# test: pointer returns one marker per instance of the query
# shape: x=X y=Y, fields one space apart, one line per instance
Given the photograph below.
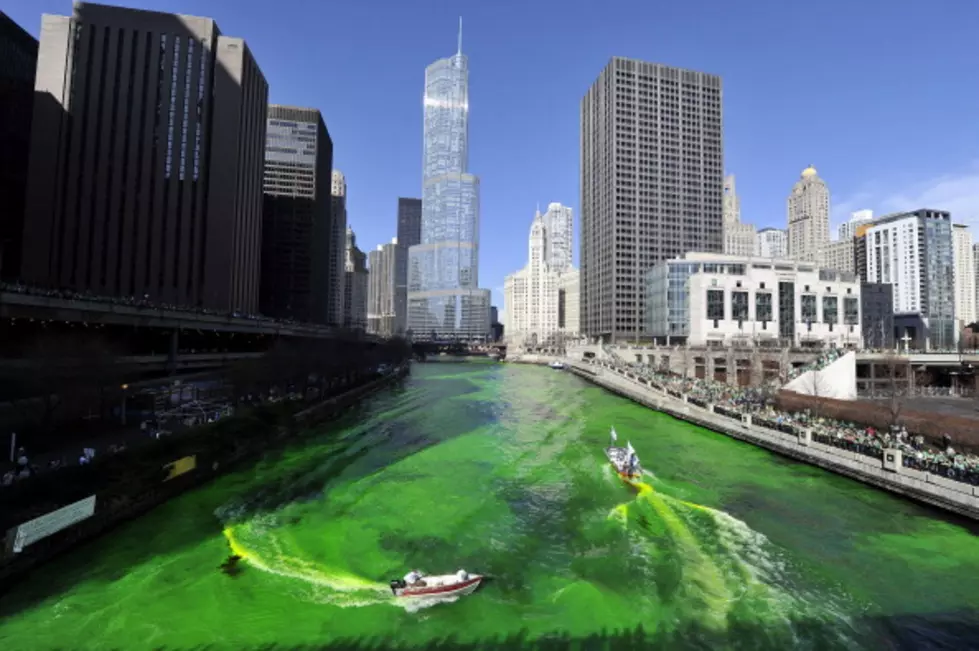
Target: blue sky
x=881 y=96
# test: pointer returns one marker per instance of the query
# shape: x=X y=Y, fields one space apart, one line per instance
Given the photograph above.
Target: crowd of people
x=941 y=459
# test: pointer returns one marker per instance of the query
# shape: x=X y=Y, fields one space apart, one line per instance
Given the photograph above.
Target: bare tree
x=897 y=385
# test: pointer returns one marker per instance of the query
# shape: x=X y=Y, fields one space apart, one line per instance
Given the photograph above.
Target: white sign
x=42 y=527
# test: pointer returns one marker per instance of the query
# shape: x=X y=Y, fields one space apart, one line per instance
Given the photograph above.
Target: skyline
x=858 y=129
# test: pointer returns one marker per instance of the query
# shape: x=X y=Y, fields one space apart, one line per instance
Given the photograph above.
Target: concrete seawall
x=887 y=473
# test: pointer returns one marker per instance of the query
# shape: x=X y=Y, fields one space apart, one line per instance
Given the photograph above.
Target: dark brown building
x=147 y=144
x=18 y=60
x=297 y=237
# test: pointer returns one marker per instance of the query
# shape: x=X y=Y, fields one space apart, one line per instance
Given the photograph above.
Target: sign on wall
x=42 y=527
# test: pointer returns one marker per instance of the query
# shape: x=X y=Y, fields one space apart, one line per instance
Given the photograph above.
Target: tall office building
x=808 y=216
x=772 y=243
x=147 y=155
x=975 y=260
x=355 y=285
x=444 y=299
x=382 y=289
x=147 y=150
x=336 y=309
x=18 y=62
x=912 y=251
x=964 y=275
x=409 y=234
x=542 y=299
x=296 y=225
x=739 y=239
x=651 y=184
x=848 y=229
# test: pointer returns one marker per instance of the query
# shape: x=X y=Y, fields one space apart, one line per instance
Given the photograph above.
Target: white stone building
x=542 y=299
x=771 y=243
x=839 y=255
x=808 y=216
x=739 y=238
x=382 y=317
x=848 y=229
x=707 y=299
x=964 y=264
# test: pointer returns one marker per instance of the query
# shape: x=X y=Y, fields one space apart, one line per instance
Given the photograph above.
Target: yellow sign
x=180 y=467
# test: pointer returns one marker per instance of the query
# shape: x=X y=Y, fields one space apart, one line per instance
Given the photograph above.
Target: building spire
x=459 y=51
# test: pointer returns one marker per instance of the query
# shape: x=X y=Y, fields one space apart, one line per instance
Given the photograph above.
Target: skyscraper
x=558 y=223
x=409 y=234
x=739 y=239
x=18 y=62
x=651 y=184
x=355 y=285
x=771 y=243
x=338 y=249
x=296 y=225
x=808 y=216
x=444 y=299
x=964 y=265
x=382 y=288
x=848 y=229
x=147 y=149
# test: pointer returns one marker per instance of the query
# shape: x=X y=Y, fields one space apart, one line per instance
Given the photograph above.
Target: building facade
x=409 y=234
x=336 y=309
x=651 y=184
x=444 y=298
x=877 y=308
x=964 y=275
x=18 y=63
x=355 y=286
x=848 y=229
x=808 y=217
x=913 y=252
x=382 y=289
x=772 y=243
x=296 y=221
x=839 y=255
x=739 y=239
x=705 y=299
x=147 y=157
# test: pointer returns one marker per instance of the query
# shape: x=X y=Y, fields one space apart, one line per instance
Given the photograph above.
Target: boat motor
x=397 y=584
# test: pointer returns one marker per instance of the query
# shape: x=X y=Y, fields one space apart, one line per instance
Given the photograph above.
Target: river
x=499 y=469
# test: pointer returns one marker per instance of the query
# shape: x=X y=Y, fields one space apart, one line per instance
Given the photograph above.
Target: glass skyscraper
x=444 y=299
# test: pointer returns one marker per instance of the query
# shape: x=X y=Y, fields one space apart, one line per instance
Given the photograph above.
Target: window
x=739 y=305
x=715 y=304
x=830 y=310
x=763 y=307
x=808 y=308
x=851 y=311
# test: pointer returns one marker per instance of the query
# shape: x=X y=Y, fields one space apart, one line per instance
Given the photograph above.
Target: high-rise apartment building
x=808 y=216
x=964 y=275
x=975 y=259
x=355 y=285
x=772 y=243
x=409 y=234
x=336 y=309
x=739 y=239
x=651 y=184
x=147 y=155
x=296 y=224
x=542 y=299
x=382 y=289
x=444 y=299
x=912 y=251
x=18 y=62
x=848 y=229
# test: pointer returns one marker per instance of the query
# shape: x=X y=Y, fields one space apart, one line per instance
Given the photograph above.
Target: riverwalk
x=887 y=472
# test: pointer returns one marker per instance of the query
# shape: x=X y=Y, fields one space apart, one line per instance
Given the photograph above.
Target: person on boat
x=462 y=576
x=413 y=578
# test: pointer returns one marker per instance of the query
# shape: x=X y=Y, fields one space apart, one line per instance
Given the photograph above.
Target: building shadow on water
x=946 y=632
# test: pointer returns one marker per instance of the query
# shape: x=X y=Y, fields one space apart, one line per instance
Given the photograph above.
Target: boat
x=437 y=586
x=624 y=460
x=557 y=365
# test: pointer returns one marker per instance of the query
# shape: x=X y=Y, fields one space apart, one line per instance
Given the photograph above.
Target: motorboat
x=557 y=365
x=624 y=460
x=437 y=586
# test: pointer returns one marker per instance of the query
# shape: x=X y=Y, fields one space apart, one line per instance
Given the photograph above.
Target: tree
x=897 y=385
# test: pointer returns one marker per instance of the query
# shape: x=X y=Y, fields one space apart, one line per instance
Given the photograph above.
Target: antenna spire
x=459 y=51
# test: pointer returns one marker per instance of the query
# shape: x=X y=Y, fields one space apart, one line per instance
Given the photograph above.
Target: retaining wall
x=887 y=473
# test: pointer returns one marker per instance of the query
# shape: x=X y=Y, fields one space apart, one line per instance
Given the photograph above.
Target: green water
x=499 y=469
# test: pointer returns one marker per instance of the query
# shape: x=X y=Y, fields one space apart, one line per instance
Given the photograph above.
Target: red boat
x=446 y=585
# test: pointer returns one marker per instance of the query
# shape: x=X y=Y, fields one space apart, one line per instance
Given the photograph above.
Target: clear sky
x=881 y=96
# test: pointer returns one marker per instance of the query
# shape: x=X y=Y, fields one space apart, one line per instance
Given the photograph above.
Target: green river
x=499 y=469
